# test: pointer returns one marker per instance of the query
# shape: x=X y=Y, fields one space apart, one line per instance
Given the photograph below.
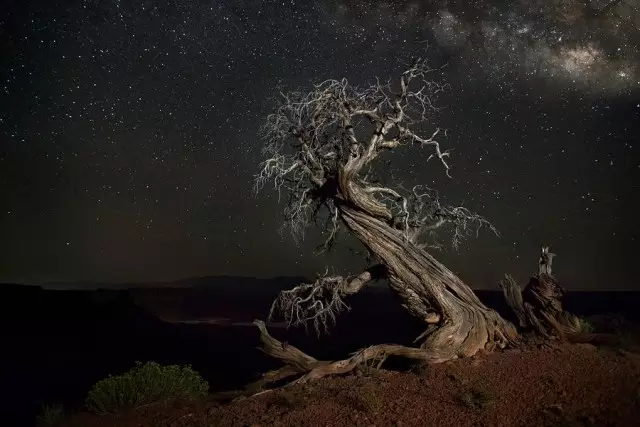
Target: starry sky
x=129 y=132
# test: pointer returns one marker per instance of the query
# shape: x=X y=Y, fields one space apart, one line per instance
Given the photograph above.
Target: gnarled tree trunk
x=457 y=323
x=431 y=292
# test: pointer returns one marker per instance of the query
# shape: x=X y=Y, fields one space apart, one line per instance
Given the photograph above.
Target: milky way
x=129 y=132
x=593 y=45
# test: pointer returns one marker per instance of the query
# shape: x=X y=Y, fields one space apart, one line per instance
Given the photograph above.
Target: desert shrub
x=475 y=399
x=50 y=415
x=144 y=384
x=584 y=326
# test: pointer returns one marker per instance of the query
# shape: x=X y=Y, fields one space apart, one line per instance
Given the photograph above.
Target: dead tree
x=539 y=306
x=316 y=157
x=546 y=259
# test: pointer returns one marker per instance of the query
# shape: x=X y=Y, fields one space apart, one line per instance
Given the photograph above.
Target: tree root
x=297 y=363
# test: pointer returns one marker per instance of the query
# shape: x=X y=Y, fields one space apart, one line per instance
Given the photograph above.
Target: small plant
x=584 y=327
x=50 y=415
x=144 y=384
x=475 y=399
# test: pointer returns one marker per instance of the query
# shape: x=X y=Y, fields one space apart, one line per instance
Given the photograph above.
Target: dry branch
x=311 y=149
x=319 y=302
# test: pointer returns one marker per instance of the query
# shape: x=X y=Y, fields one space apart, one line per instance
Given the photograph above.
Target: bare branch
x=332 y=225
x=319 y=302
x=310 y=139
x=429 y=141
x=420 y=214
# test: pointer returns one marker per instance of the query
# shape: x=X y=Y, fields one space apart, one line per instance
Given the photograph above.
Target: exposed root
x=307 y=368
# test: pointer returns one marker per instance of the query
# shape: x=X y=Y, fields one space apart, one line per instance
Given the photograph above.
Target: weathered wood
x=513 y=295
x=317 y=157
x=307 y=368
x=546 y=259
x=539 y=305
x=427 y=287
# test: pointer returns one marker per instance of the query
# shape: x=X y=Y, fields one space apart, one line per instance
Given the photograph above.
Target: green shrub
x=50 y=415
x=145 y=384
x=584 y=327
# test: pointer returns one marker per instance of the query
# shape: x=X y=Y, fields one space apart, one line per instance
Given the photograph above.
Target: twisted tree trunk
x=458 y=323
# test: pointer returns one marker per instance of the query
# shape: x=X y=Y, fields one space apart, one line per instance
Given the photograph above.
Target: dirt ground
x=538 y=385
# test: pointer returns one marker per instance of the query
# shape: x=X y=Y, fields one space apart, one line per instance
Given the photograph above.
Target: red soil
x=560 y=385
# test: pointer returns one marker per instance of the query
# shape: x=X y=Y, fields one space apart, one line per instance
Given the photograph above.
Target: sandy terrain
x=538 y=385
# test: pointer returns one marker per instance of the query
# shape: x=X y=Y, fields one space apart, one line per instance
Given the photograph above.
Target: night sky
x=129 y=132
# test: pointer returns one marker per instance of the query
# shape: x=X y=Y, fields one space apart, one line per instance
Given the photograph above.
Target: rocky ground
x=537 y=385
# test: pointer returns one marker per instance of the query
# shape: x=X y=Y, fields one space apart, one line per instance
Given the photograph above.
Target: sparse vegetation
x=50 y=415
x=145 y=384
x=475 y=399
x=584 y=327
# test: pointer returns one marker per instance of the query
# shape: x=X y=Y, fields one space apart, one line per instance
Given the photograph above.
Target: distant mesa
x=192 y=282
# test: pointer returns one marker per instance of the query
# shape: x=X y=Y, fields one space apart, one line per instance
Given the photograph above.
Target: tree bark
x=513 y=296
x=539 y=305
x=431 y=292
